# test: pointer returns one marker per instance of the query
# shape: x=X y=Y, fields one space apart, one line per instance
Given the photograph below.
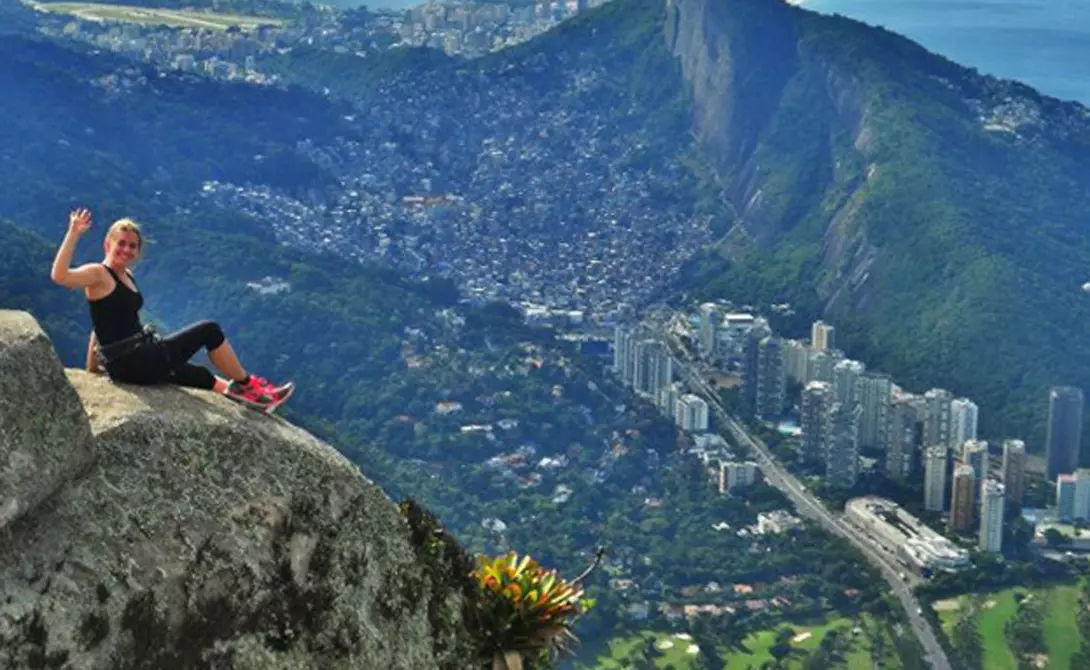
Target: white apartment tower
x=822 y=336
x=934 y=481
x=624 y=354
x=691 y=413
x=992 y=501
x=796 y=361
x=874 y=395
x=963 y=421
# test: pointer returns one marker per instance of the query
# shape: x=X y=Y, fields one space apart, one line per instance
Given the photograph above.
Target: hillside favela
x=544 y=334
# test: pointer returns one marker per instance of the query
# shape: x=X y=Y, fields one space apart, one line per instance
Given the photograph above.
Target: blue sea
x=1043 y=43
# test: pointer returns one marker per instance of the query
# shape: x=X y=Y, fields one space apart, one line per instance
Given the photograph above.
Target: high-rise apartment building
x=975 y=453
x=962 y=497
x=817 y=400
x=1064 y=436
x=934 y=480
x=874 y=395
x=821 y=364
x=1014 y=470
x=771 y=379
x=668 y=396
x=992 y=505
x=846 y=374
x=822 y=336
x=654 y=367
x=751 y=362
x=1081 y=507
x=796 y=361
x=691 y=413
x=903 y=435
x=963 y=421
x=842 y=446
x=711 y=316
x=1065 y=497
x=936 y=423
x=624 y=354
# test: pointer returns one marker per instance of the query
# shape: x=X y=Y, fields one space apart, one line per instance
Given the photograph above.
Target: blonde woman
x=132 y=353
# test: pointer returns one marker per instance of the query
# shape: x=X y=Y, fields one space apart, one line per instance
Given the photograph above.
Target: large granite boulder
x=205 y=535
x=45 y=438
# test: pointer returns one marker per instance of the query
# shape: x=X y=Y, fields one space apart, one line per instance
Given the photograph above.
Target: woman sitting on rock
x=132 y=353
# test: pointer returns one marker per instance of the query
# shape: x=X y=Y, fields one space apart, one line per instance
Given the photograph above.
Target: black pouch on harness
x=110 y=355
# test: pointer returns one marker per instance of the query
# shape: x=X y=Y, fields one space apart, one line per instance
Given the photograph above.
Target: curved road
x=809 y=506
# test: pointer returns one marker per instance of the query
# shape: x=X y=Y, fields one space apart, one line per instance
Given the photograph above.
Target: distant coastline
x=1043 y=43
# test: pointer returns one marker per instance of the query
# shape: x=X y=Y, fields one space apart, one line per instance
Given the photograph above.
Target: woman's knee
x=212 y=334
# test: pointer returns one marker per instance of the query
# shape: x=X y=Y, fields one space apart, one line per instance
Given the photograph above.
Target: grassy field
x=622 y=653
x=1060 y=630
x=164 y=17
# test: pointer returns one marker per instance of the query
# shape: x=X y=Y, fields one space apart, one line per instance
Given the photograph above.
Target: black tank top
x=117 y=315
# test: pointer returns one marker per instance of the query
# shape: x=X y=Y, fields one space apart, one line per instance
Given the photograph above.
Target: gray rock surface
x=208 y=535
x=45 y=439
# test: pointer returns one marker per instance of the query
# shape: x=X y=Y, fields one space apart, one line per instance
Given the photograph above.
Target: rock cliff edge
x=161 y=527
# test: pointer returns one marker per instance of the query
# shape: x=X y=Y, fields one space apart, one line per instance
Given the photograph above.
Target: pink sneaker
x=258 y=393
x=280 y=395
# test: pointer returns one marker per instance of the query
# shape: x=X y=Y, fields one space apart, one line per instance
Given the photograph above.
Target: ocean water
x=1043 y=43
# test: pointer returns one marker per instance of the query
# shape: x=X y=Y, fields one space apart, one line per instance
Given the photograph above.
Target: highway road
x=812 y=508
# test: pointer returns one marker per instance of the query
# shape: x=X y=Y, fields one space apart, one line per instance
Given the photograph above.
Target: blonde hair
x=126 y=226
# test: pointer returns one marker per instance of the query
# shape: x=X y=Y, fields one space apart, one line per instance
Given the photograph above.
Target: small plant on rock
x=526 y=611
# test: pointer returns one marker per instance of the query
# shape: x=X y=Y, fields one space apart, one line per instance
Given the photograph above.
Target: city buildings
x=934 y=483
x=735 y=475
x=963 y=418
x=822 y=336
x=1014 y=470
x=992 y=504
x=904 y=535
x=691 y=413
x=962 y=496
x=1064 y=433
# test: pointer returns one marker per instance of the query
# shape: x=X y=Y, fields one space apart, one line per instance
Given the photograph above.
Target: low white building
x=904 y=534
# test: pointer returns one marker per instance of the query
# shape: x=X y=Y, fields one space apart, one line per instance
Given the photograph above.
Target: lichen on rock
x=197 y=533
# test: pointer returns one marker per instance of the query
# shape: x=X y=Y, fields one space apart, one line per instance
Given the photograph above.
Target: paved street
x=812 y=508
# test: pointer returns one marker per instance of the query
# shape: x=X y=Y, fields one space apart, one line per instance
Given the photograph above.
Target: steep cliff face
x=776 y=118
x=171 y=528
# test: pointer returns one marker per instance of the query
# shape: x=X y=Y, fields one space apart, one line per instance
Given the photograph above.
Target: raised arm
x=85 y=275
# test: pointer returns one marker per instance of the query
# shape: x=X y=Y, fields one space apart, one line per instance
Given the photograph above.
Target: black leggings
x=168 y=361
